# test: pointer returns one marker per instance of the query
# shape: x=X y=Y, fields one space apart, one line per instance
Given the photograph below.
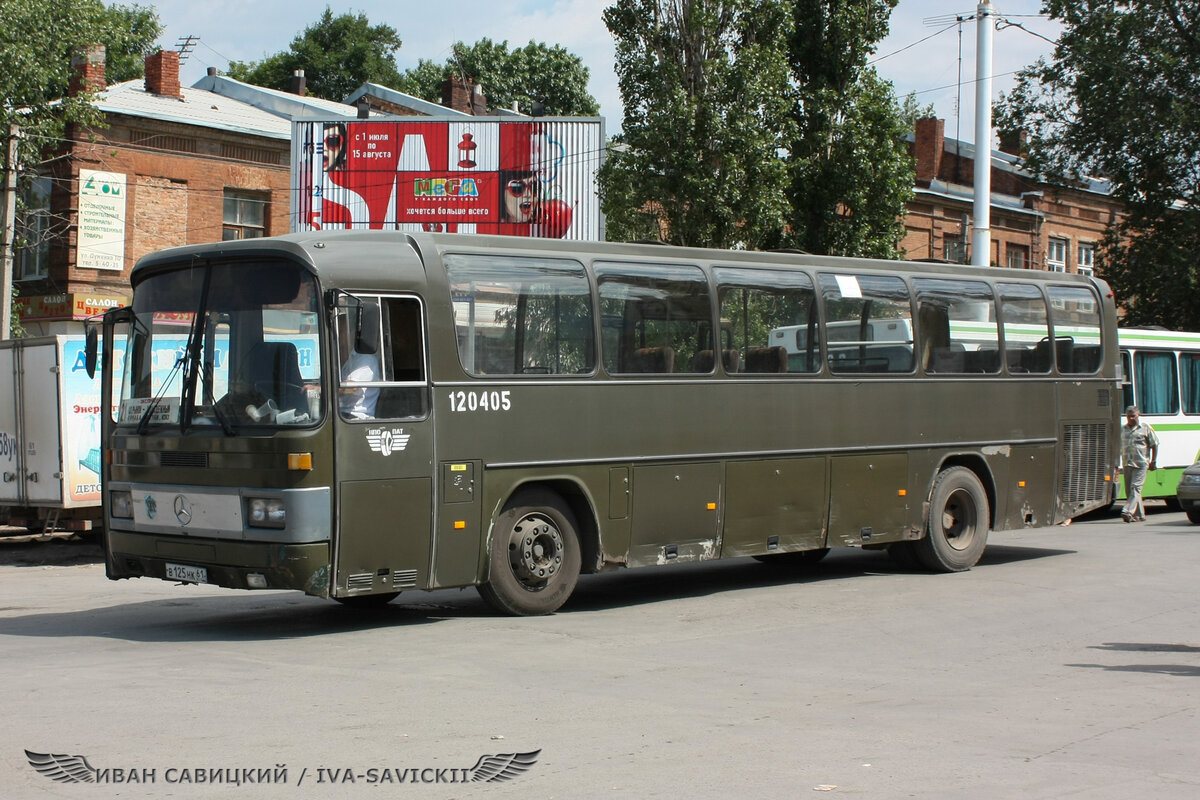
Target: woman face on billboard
x=522 y=194
x=334 y=153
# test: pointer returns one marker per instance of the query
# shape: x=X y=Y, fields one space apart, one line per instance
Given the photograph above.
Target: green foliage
x=706 y=117
x=911 y=111
x=1120 y=99
x=851 y=174
x=338 y=55
x=130 y=34
x=757 y=124
x=535 y=72
x=37 y=40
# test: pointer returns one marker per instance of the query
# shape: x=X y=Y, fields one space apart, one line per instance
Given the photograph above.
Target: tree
x=37 y=41
x=1120 y=99
x=338 y=54
x=536 y=72
x=911 y=110
x=705 y=121
x=129 y=35
x=850 y=172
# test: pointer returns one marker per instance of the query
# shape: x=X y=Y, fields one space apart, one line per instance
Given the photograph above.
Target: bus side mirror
x=366 y=340
x=91 y=345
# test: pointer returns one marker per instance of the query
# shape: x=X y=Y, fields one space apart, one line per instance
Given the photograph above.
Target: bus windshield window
x=868 y=323
x=1075 y=314
x=771 y=318
x=657 y=318
x=956 y=323
x=227 y=345
x=1026 y=328
x=521 y=316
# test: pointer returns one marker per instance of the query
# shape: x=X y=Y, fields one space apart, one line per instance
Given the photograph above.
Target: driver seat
x=274 y=369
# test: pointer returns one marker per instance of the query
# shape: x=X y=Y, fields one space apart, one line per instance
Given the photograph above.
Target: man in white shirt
x=357 y=402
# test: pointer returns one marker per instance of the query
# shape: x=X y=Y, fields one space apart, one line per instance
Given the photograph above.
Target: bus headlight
x=120 y=504
x=266 y=512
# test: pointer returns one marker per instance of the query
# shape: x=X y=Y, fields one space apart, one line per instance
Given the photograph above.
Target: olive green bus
x=354 y=414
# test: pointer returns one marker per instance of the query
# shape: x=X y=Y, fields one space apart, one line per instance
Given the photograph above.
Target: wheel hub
x=535 y=550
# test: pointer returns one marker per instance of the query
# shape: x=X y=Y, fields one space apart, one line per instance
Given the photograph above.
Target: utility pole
x=981 y=235
x=8 y=234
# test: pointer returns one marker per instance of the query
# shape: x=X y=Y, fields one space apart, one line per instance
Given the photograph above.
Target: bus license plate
x=184 y=572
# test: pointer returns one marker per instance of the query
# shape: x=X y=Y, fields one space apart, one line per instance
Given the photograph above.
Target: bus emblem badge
x=183 y=509
x=387 y=441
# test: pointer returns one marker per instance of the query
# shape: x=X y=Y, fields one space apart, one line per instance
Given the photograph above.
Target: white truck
x=49 y=435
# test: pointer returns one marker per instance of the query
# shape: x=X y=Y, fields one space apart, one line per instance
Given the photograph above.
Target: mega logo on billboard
x=516 y=178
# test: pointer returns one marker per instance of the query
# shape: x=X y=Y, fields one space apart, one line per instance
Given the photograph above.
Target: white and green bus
x=355 y=414
x=1161 y=376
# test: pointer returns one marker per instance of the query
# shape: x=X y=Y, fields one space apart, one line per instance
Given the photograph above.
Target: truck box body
x=49 y=430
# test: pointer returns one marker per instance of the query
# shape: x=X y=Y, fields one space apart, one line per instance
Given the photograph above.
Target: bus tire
x=957 y=529
x=534 y=556
x=1193 y=514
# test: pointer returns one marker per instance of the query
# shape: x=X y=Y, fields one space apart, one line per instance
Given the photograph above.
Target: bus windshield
x=234 y=345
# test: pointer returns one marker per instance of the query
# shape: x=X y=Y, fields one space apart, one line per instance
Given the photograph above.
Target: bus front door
x=384 y=446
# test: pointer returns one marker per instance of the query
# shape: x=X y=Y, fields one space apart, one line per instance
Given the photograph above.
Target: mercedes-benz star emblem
x=183 y=509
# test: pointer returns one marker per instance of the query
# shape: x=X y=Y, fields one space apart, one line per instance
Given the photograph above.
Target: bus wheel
x=1193 y=514
x=534 y=556
x=957 y=531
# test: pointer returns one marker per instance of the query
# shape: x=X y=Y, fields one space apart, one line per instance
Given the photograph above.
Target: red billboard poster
x=526 y=177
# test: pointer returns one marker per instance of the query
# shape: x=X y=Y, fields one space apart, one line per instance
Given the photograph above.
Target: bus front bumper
x=231 y=564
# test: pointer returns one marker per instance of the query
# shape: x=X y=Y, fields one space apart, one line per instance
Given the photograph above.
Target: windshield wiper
x=187 y=399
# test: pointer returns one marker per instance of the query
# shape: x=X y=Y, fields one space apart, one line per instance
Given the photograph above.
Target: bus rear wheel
x=957 y=530
x=535 y=558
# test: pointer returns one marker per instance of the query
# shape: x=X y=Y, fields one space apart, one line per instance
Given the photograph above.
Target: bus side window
x=868 y=323
x=664 y=317
x=956 y=325
x=770 y=320
x=1025 y=324
x=403 y=360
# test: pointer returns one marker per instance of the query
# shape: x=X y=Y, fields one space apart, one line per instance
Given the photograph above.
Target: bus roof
x=369 y=258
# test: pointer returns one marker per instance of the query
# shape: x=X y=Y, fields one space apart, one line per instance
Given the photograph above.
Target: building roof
x=422 y=107
x=221 y=103
x=1004 y=162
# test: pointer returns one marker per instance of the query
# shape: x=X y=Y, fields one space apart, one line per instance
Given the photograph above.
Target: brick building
x=174 y=166
x=1033 y=225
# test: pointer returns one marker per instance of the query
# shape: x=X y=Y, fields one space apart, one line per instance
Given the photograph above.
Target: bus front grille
x=1085 y=448
x=177 y=458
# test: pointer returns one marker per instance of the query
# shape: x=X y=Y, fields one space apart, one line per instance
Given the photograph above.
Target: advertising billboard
x=520 y=177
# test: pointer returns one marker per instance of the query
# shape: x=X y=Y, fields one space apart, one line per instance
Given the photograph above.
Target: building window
x=1017 y=256
x=954 y=249
x=1087 y=259
x=245 y=215
x=1056 y=255
x=33 y=232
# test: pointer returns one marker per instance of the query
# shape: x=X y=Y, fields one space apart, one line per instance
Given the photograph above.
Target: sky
x=922 y=54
